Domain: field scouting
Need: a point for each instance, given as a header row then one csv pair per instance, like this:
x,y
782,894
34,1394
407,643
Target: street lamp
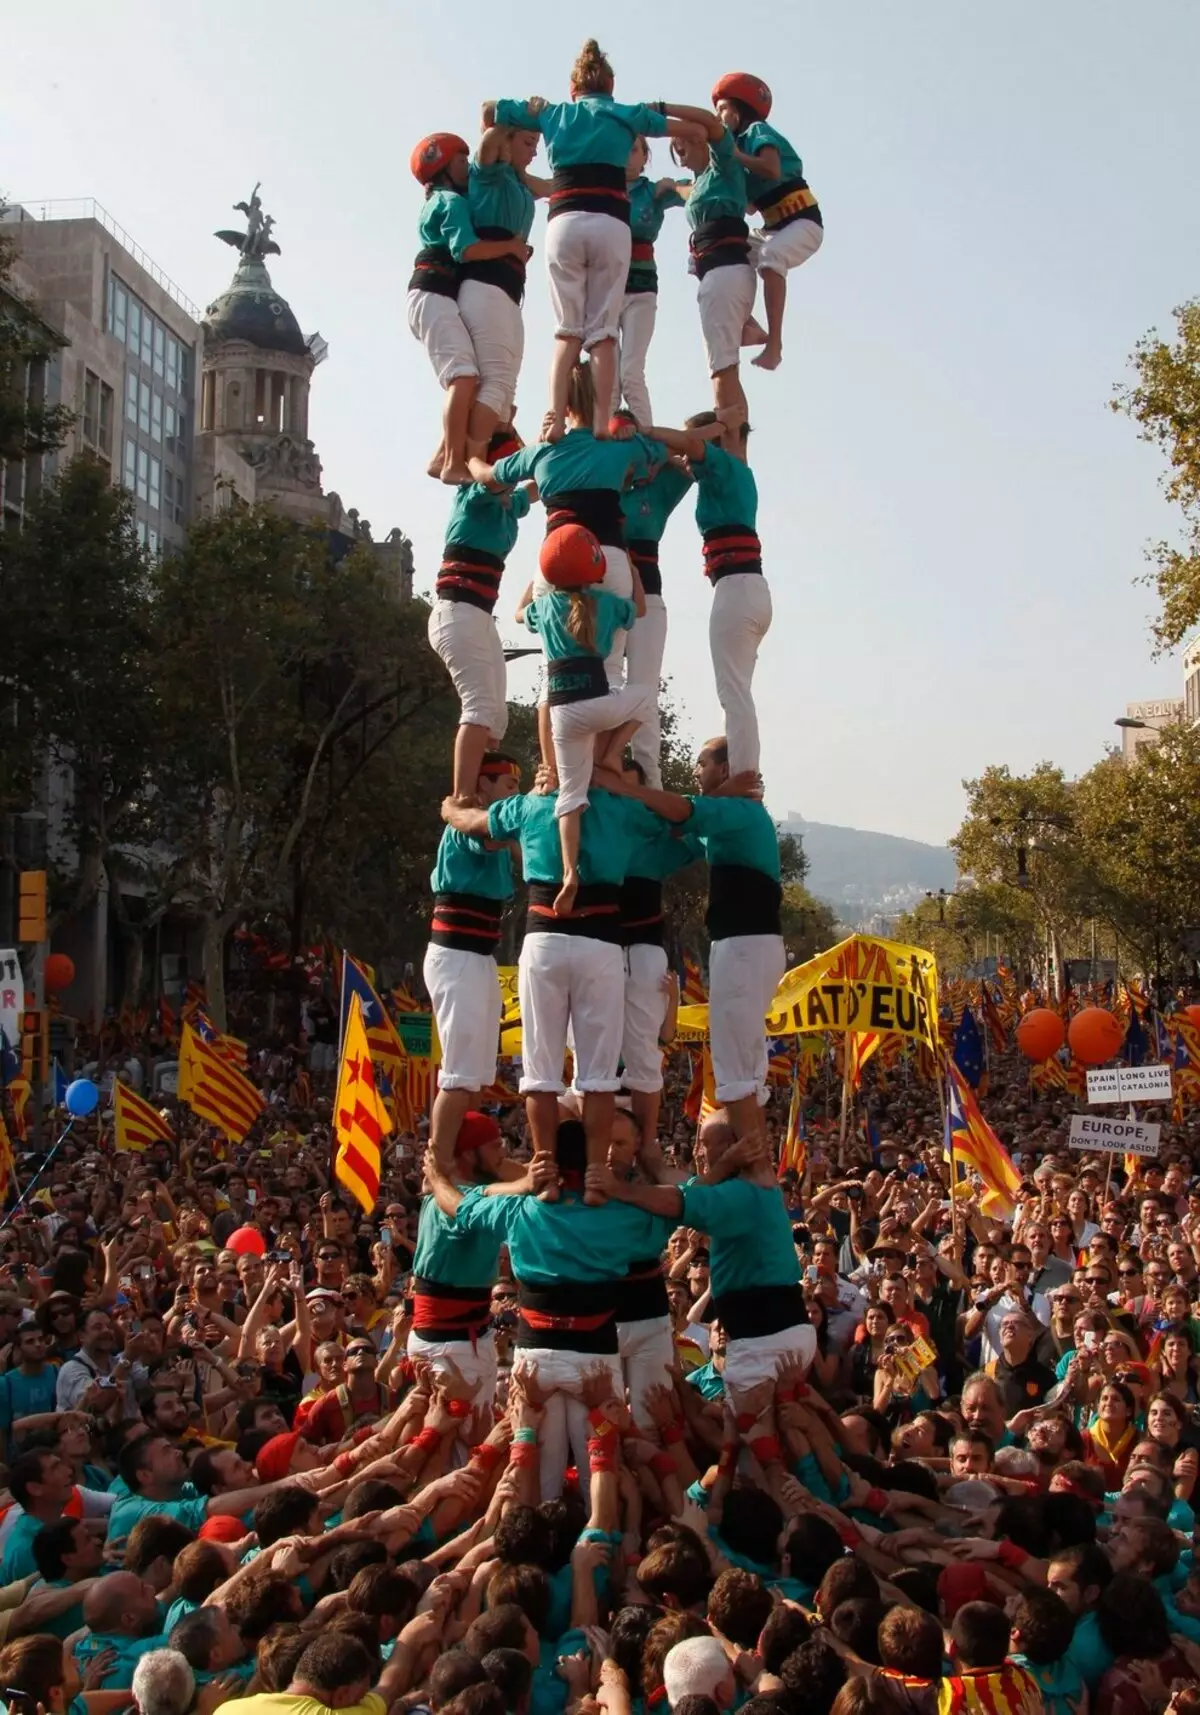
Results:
x,y
1130,721
941,896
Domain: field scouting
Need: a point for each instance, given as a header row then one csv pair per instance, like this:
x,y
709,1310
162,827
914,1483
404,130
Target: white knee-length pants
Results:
x,y
743,973
587,259
571,979
639,311
726,300
468,642
465,995
497,332
436,322
645,1010
740,619
565,1425
645,646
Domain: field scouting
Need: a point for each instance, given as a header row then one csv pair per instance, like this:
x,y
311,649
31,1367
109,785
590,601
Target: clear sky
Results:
x,y
952,518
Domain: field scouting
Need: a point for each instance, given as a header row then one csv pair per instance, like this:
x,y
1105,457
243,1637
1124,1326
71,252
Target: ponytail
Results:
x,y
581,619
591,74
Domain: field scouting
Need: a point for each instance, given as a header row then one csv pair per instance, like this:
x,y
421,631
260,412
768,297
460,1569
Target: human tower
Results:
x,y
596,838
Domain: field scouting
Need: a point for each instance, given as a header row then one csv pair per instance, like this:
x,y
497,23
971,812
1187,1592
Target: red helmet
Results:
x,y
571,557
433,155
752,92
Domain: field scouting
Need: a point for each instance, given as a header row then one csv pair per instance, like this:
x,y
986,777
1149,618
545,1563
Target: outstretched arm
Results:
x,y
696,119
654,1199
669,805
465,820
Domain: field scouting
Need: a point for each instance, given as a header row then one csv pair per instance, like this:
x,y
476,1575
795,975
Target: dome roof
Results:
x,y
253,310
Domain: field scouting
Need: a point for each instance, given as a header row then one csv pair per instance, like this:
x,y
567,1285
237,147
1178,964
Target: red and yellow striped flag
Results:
x,y
862,1044
701,1099
361,1121
137,1124
794,1154
19,1091
692,991
214,1089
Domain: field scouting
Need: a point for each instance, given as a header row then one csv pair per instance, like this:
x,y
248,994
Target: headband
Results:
x,y
499,769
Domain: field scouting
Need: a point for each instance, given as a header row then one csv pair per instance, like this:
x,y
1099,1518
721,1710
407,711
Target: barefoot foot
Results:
x,y
455,472
754,333
770,357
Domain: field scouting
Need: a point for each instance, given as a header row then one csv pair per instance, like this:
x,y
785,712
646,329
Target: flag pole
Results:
x,y
948,1131
847,1097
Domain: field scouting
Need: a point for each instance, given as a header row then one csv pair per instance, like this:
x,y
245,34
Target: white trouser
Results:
x,y
564,1431
618,577
563,978
497,331
644,649
468,643
475,1359
647,1357
740,619
465,995
435,321
638,312
645,1010
574,727
748,1362
788,248
743,973
587,258
726,300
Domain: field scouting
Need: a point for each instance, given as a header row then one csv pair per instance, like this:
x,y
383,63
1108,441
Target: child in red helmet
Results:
x,y
577,621
792,228
448,239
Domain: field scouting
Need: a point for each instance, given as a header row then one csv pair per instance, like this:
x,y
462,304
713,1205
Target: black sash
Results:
x,y
436,271
507,272
719,243
742,901
597,509
596,914
590,189
759,1311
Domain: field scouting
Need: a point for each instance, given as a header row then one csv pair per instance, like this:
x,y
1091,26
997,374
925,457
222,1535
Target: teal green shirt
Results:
x,y
180,1608
579,460
18,1559
647,506
647,211
64,1624
465,865
610,833
26,1396
129,1652
1088,1651
719,192
188,1507
737,831
486,521
595,130
750,1231
448,1253
497,197
567,1240
1060,1682
547,615
661,854
446,222
726,492
752,141
707,1382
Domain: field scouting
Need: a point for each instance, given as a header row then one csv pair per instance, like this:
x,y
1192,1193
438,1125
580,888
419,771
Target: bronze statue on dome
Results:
x,y
256,242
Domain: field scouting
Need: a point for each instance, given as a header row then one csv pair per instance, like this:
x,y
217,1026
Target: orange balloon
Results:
x,y
1193,1013
1040,1034
1095,1035
59,972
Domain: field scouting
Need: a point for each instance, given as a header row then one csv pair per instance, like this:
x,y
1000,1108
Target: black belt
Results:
x,y
571,1315
436,271
506,272
759,1311
720,243
642,1294
596,914
731,548
742,901
597,509
642,920
575,679
471,575
590,189
469,922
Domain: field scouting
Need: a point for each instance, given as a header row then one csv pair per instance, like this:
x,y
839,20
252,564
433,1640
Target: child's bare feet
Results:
x,y
455,472
770,357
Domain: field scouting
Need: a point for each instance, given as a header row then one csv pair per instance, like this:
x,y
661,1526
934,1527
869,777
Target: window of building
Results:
x,y
208,401
155,484
130,477
135,326
160,348
131,396
141,531
185,363
107,412
147,337
143,474
91,408
152,542
120,311
156,425
144,407
172,361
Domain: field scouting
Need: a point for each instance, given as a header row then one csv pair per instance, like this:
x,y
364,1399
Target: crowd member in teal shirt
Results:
x,y
472,881
441,163
792,225
41,1484
27,1390
571,969
501,197
649,201
122,1615
588,243
480,536
65,1554
567,1258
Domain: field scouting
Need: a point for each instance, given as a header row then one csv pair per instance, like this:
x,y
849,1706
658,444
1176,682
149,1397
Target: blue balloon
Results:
x,y
82,1097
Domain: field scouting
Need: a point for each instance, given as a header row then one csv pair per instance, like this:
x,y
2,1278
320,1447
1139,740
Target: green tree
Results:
x,y
75,594
28,426
283,678
1164,401
809,924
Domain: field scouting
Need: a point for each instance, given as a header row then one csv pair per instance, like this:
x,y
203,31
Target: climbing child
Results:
x,y
590,723
441,163
501,201
649,200
792,229
588,244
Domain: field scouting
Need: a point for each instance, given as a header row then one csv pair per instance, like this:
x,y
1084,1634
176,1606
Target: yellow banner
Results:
x,y
861,984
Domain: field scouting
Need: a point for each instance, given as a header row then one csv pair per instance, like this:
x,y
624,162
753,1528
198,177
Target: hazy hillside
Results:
x,y
865,876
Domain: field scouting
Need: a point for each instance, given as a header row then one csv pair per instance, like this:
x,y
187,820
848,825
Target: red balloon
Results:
x,y
59,972
1040,1034
1095,1035
246,1241
1193,1013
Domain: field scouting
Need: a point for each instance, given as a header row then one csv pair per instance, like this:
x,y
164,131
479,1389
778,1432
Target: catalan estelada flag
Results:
x,y
692,991
402,1000
861,1044
214,1089
361,1121
795,1147
19,1091
701,1099
970,1142
383,1039
137,1124
230,1048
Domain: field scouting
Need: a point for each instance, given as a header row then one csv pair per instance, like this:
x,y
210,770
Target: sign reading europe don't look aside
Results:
x,y
1129,1137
